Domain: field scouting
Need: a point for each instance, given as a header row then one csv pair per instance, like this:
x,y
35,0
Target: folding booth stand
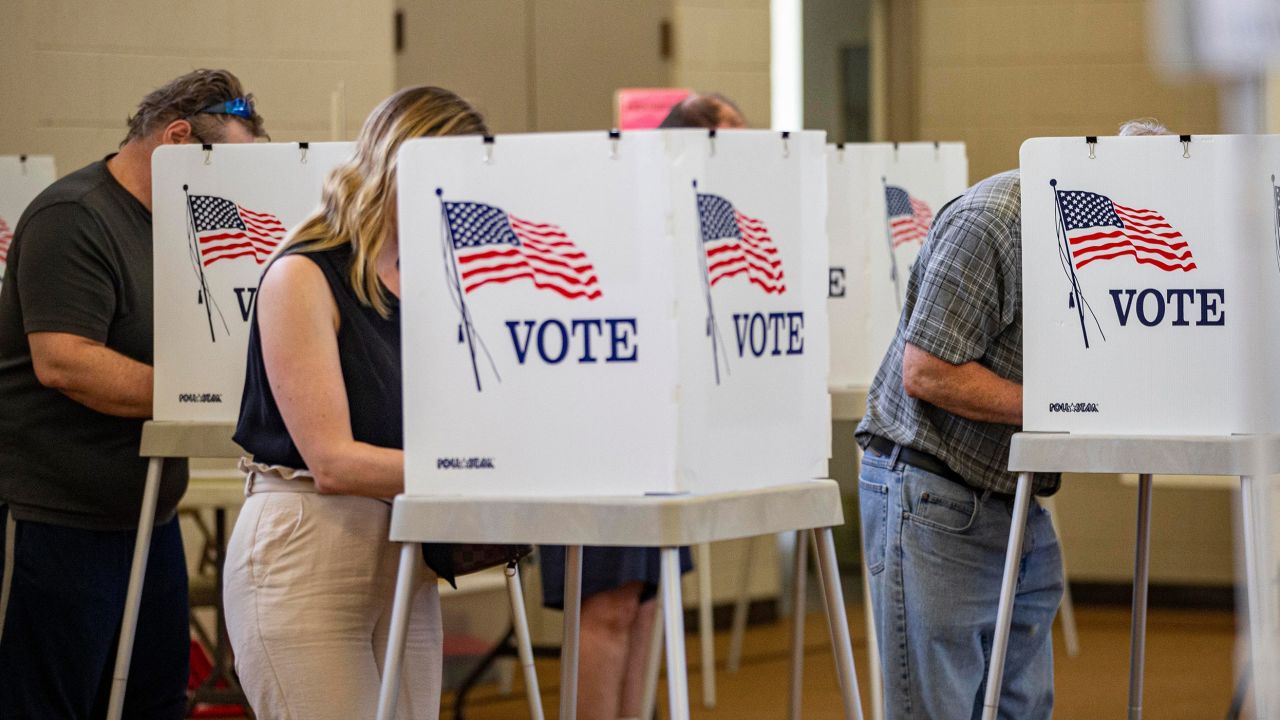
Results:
x,y
161,441
666,521
1245,456
164,440
847,404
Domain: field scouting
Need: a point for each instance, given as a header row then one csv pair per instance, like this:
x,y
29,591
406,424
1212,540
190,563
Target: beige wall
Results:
x,y
1192,530
535,65
1272,123
993,73
829,27
723,46
74,70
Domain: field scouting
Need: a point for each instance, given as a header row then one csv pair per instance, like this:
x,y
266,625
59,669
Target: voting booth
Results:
x,y
1150,266
882,200
219,216
1151,269
593,315
22,177
615,339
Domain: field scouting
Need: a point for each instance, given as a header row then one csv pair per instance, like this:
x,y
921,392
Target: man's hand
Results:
x,y
92,374
969,390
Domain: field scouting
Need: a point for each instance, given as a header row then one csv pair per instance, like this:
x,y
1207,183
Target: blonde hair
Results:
x,y
358,205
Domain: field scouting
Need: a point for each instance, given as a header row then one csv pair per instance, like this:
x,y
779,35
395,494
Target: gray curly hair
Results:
x,y
1142,126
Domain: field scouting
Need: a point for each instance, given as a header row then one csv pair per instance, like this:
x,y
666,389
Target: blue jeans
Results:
x,y
935,554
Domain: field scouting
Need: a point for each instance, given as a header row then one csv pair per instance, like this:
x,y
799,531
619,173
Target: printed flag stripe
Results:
x,y
218,223
1168,267
1128,242
909,218
493,246
737,244
771,273
472,267
1098,228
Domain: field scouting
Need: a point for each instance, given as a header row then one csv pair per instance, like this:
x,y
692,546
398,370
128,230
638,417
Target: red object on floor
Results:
x,y
461,645
201,668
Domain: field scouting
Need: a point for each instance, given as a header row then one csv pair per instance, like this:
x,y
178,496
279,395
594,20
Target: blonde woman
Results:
x,y
310,572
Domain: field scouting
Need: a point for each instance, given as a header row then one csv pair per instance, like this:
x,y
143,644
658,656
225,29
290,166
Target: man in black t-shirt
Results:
x,y
75,383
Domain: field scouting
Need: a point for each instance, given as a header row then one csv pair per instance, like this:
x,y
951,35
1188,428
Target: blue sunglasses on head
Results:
x,y
240,107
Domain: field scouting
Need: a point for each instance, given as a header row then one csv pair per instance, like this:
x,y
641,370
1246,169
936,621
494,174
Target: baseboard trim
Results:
x,y
759,612
1162,595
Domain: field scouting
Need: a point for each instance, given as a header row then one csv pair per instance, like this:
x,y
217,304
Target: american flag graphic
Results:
x,y
6,238
909,218
1099,228
225,230
494,246
737,244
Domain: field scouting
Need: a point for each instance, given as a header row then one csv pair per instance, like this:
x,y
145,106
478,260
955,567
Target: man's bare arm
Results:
x,y
92,374
968,390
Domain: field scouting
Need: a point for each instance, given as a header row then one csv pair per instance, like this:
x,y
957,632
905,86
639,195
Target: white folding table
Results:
x,y
1245,456
667,521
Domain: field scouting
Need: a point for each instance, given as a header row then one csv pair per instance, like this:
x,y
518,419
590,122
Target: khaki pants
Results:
x,y
308,594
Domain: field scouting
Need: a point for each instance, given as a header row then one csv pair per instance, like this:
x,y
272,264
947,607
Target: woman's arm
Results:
x,y
298,325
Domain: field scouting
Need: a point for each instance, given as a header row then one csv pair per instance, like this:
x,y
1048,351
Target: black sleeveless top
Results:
x,y
369,350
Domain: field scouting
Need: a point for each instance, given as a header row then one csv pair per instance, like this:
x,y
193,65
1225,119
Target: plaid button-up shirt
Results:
x,y
964,303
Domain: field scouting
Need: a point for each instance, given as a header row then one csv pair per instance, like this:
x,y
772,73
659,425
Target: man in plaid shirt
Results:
x,y
935,491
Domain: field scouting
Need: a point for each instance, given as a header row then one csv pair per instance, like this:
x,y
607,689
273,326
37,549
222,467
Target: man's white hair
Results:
x,y
1142,126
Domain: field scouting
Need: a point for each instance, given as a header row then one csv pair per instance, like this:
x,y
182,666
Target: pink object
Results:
x,y
644,108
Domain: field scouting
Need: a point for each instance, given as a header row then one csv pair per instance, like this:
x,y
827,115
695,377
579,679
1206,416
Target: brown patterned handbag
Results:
x,y
453,560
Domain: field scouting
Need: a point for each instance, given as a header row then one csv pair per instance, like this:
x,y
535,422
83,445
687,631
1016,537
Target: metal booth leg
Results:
x,y
673,618
572,623
1008,588
406,583
706,627
741,606
838,624
520,621
1257,668
797,625
1141,573
133,596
